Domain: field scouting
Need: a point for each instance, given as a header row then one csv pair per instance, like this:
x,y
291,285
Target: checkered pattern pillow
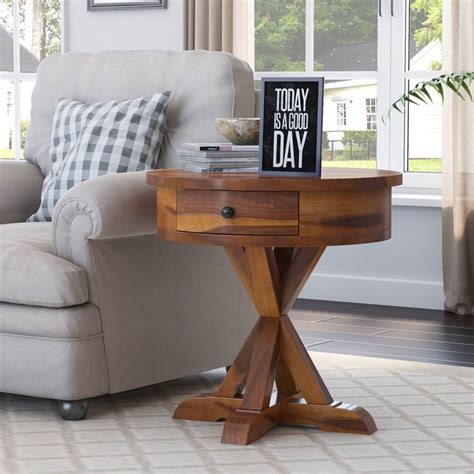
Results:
x,y
90,140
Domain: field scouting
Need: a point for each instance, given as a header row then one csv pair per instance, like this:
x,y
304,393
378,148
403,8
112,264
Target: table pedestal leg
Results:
x,y
273,352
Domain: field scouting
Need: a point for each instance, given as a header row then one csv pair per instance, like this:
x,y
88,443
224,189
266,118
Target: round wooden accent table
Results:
x,y
274,231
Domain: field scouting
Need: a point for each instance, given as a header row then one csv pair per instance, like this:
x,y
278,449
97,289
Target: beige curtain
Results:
x,y
458,162
220,25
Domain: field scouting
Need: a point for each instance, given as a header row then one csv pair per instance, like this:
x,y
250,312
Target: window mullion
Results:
x,y
397,87
64,45
383,87
309,37
16,80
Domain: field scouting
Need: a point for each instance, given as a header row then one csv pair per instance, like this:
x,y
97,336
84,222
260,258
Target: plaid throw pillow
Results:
x,y
90,140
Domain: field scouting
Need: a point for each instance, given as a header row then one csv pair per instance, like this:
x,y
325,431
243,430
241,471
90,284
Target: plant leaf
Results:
x,y
417,95
425,91
458,83
408,99
466,88
450,84
439,89
395,106
464,81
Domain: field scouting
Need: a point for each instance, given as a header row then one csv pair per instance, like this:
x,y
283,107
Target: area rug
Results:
x,y
424,413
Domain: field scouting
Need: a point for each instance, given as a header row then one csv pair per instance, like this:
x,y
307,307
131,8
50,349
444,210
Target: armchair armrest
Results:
x,y
20,190
109,207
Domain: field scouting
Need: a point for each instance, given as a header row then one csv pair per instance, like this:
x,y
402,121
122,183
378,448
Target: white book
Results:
x,y
216,154
205,169
219,147
237,160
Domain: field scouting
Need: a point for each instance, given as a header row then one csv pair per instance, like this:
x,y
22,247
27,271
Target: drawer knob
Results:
x,y
227,212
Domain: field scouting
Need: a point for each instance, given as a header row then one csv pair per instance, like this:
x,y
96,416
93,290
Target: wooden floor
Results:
x,y
385,331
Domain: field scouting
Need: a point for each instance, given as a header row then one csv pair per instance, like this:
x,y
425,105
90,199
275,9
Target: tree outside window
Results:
x,y
280,32
40,25
35,25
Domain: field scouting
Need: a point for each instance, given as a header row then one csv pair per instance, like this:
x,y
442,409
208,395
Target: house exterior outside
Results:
x,y
352,106
346,107
28,64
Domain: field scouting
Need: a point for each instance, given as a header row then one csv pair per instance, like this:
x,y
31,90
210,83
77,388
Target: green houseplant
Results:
x,y
457,83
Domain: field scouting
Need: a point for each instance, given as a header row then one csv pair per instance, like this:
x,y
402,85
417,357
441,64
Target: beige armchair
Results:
x,y
93,302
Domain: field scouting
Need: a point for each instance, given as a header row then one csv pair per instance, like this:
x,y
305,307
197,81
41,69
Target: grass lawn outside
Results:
x,y
368,164
10,154
427,165
424,165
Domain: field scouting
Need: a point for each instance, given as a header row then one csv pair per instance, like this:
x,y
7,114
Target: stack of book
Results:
x,y
218,157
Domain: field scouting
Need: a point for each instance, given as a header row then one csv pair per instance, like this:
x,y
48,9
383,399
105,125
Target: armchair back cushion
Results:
x,y
204,85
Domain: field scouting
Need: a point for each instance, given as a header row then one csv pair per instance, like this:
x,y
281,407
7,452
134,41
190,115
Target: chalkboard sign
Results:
x,y
291,112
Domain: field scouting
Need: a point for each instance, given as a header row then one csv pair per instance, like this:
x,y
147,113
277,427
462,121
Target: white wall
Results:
x,y
404,271
150,28
353,93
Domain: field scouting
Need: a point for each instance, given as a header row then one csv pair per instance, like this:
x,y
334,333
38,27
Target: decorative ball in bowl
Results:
x,y
239,131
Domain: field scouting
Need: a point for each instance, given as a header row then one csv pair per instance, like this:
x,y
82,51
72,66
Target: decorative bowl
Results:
x,y
239,131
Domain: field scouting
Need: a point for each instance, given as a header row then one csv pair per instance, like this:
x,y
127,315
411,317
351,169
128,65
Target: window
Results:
x,y
371,113
341,113
423,60
30,30
9,104
369,53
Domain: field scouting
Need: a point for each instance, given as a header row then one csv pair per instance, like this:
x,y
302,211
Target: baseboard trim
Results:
x,y
371,290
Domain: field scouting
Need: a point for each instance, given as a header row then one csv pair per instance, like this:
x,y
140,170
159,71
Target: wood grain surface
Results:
x,y
275,234
257,212
345,212
273,352
332,179
306,216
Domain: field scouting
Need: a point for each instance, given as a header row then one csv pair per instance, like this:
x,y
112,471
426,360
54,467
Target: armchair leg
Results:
x,y
73,410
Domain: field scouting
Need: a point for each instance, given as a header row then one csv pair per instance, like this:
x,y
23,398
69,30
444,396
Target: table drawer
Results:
x,y
237,212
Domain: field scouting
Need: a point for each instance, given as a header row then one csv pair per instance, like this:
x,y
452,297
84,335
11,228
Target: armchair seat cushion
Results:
x,y
75,322
30,272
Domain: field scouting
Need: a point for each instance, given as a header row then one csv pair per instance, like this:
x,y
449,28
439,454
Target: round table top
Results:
x,y
345,206
332,179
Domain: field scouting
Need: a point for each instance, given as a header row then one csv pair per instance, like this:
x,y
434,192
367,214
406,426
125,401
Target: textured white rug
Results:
x,y
423,412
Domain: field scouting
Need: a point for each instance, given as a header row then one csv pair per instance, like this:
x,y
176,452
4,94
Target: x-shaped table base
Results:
x,y
273,352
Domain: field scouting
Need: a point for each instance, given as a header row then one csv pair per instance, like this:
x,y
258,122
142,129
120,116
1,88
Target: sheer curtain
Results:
x,y
458,162
220,25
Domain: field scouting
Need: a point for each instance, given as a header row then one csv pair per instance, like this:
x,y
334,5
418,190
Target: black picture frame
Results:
x,y
308,163
100,5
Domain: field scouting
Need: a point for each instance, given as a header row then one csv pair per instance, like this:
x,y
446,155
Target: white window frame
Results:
x,y
17,77
400,74
391,76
